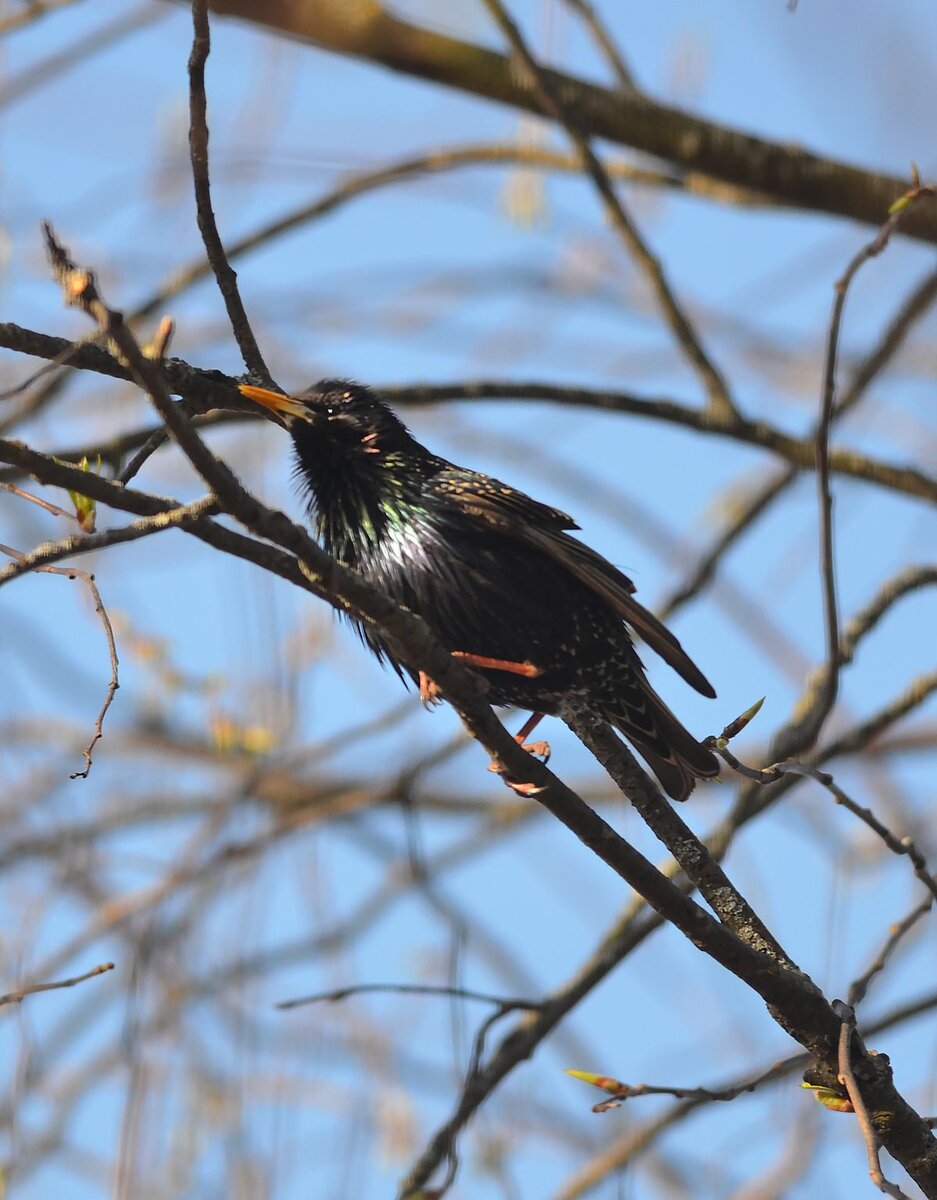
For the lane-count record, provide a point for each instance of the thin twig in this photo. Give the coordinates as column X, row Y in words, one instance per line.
column 805, row 730
column 114, row 681
column 198, row 148
column 606, row 43
column 49, row 507
column 158, row 438
column 181, row 516
column 860, row 986
column 627, row 1091
column 34, row 988
column 848, row 1079
column 714, row 382
column 903, row 846
column 507, row 1003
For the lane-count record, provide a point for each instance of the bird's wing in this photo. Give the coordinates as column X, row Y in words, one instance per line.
column 495, row 503
column 513, row 513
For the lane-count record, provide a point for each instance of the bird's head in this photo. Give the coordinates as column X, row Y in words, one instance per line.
column 355, row 461
column 336, row 417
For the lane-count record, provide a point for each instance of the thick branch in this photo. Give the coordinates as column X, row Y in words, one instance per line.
column 205, row 390
column 786, row 173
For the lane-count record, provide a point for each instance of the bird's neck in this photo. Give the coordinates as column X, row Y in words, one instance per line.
column 357, row 503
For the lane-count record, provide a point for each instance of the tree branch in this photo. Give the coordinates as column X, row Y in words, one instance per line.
column 788, row 174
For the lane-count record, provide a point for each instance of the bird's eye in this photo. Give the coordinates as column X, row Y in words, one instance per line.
column 330, row 411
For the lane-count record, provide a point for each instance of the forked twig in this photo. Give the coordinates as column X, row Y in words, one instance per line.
column 114, row 681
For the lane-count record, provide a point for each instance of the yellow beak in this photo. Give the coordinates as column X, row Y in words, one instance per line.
column 276, row 402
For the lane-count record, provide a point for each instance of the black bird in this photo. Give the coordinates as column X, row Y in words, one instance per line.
column 493, row 572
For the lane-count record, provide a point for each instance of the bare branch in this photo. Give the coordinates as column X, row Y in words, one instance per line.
column 789, row 174
column 181, row 516
column 859, row 987
column 21, row 566
column 848, row 1079
column 31, row 11
column 606, row 44
column 505, row 1003
column 198, row 145
column 204, row 390
column 717, row 390
column 34, row 989
column 44, row 504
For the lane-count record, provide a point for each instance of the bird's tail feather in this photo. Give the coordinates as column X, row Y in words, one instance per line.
column 670, row 750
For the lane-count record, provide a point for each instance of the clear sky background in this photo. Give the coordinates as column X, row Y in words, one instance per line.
column 443, row 279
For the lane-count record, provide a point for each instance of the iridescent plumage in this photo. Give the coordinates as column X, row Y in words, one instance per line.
column 494, row 572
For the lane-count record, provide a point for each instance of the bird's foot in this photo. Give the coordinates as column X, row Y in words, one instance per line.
column 529, row 790
column 540, row 750
column 527, row 669
column 429, row 692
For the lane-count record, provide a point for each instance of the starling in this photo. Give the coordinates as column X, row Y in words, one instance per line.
column 494, row 573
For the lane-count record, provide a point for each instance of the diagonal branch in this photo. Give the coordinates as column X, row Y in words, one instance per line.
column 787, row 173
column 682, row 329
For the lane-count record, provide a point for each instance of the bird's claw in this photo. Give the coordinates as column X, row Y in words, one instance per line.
column 539, row 750
column 523, row 789
column 429, row 692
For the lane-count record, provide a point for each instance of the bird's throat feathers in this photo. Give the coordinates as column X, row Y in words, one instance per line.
column 363, row 499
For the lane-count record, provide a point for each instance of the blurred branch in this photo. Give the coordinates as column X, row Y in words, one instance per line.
column 860, row 735
column 606, row 43
column 33, row 562
column 859, row 987
column 30, row 12
column 33, row 989
column 432, row 162
column 908, row 580
column 790, row 175
column 55, row 65
column 917, row 304
column 506, row 1003
column 687, row 338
